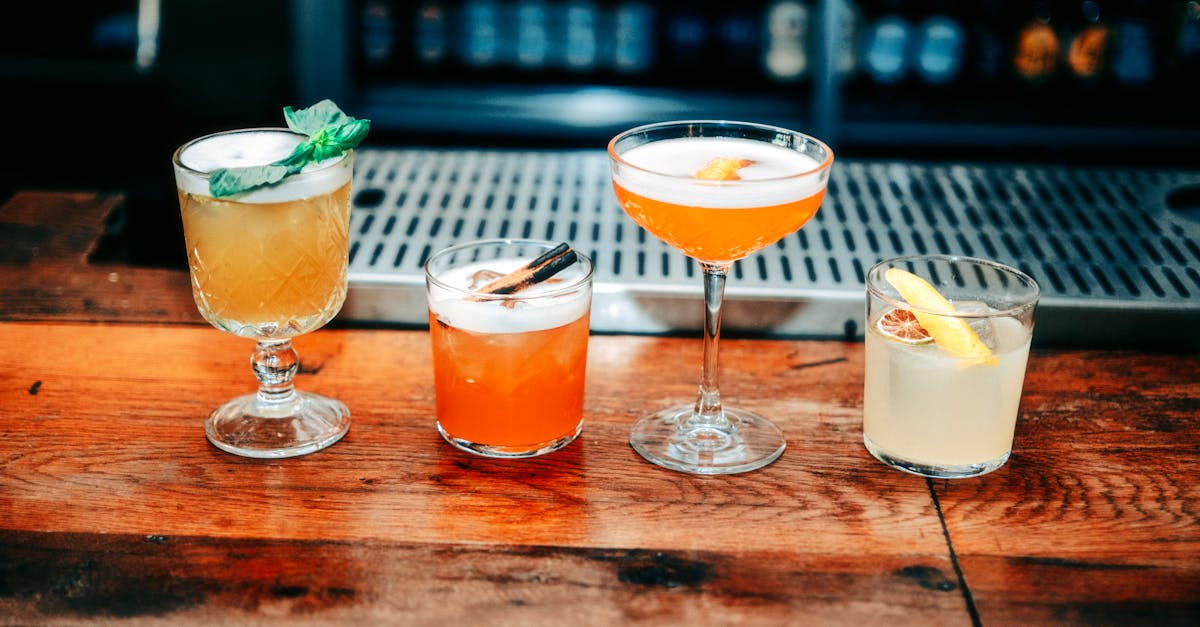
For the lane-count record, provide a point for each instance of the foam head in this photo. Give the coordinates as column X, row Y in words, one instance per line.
column 665, row 169
column 197, row 159
column 545, row 305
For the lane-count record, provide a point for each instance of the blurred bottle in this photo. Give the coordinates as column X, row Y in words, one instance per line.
column 846, row 58
column 740, row 39
column 787, row 31
column 581, row 35
column 430, row 34
column 940, row 45
column 1087, row 53
column 1188, row 48
column 986, row 50
column 532, row 47
column 1134, row 51
column 633, row 37
column 686, row 32
column 480, row 37
column 377, row 33
column 886, row 48
column 1036, row 51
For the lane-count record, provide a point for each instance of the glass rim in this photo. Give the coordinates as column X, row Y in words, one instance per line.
column 312, row 168
column 826, row 164
column 1025, row 304
column 572, row 286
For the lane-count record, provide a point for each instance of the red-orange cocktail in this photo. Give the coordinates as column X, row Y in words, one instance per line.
column 508, row 368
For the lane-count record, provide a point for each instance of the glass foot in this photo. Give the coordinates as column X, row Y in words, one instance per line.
column 942, row 471
column 248, row 427
column 747, row 443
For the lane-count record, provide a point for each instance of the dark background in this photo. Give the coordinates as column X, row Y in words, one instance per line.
column 80, row 112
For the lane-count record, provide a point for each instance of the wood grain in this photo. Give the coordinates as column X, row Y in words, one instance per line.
column 46, row 238
column 113, row 504
column 113, row 507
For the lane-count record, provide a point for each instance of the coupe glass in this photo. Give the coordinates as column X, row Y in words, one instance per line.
column 268, row 264
column 718, row 191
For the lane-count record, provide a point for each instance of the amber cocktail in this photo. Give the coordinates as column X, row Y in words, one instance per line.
column 268, row 264
column 717, row 191
column 508, row 368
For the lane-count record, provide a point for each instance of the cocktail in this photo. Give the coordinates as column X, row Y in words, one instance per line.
column 508, row 321
column 268, row 262
column 717, row 191
column 947, row 340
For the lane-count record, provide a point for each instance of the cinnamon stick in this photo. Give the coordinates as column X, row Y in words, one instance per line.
column 547, row 265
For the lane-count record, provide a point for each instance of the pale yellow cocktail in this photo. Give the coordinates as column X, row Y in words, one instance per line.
column 943, row 377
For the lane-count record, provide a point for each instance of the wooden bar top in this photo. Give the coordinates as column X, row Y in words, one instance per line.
column 114, row 507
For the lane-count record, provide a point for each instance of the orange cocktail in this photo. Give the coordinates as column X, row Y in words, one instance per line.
column 508, row 368
column 718, row 191
column 717, row 234
column 721, row 215
column 509, row 390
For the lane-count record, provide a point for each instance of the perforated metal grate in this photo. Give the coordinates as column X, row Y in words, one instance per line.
column 1114, row 261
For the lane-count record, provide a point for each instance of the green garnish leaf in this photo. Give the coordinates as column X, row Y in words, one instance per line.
column 229, row 181
column 331, row 133
column 308, row 121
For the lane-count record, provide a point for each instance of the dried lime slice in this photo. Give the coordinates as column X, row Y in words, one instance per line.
column 901, row 325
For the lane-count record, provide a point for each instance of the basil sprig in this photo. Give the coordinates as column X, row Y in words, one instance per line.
column 330, row 134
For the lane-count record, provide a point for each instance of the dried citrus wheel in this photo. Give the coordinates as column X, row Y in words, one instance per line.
column 902, row 325
column 722, row 169
column 951, row 334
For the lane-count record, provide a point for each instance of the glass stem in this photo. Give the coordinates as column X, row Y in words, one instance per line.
column 275, row 363
column 708, row 410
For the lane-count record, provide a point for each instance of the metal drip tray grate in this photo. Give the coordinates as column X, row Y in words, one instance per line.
column 1117, row 265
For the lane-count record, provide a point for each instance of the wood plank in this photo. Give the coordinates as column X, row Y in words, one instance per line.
column 169, row 579
column 45, row 274
column 142, row 449
column 101, row 438
column 1092, row 521
column 1096, row 519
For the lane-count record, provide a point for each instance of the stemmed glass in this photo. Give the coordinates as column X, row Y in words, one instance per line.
column 718, row 191
column 269, row 264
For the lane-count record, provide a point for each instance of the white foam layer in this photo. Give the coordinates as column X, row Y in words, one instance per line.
column 237, row 149
column 773, row 179
column 460, row 310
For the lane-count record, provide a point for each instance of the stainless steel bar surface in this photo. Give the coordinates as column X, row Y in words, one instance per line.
column 1115, row 250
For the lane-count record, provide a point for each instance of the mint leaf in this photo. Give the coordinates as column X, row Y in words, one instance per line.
column 331, row 133
column 301, row 155
column 351, row 134
column 333, row 141
column 319, row 116
column 230, row 181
